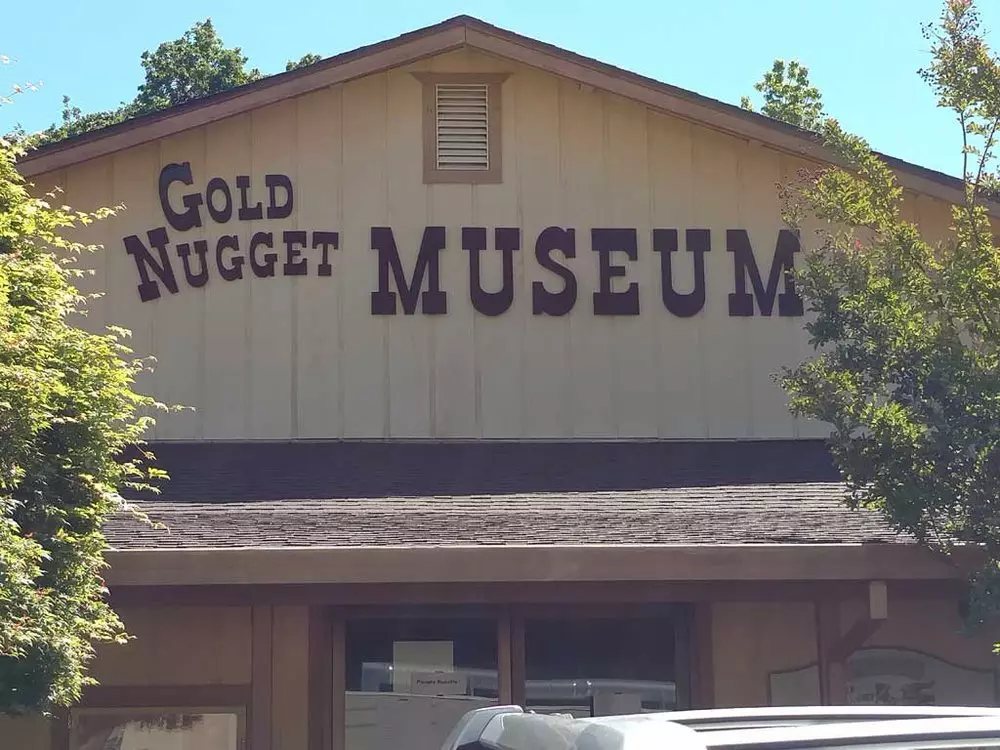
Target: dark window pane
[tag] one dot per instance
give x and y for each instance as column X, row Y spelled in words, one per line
column 409, row 681
column 600, row 666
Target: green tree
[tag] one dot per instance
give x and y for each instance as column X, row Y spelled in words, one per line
column 906, row 330
column 303, row 62
column 789, row 96
column 68, row 418
column 197, row 64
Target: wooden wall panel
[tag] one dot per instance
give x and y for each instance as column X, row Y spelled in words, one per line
column 179, row 646
column 319, row 362
column 304, row 357
column 364, row 360
column 134, row 174
column 546, row 374
column 227, row 397
column 290, row 679
column 180, row 336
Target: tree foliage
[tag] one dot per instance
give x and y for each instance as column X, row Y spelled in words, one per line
column 68, row 412
column 907, row 330
column 303, row 62
column 195, row 65
column 789, row 96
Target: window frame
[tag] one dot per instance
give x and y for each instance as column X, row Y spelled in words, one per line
column 494, row 93
column 239, row 712
column 190, row 699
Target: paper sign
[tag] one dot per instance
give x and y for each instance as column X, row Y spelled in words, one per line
column 419, row 656
column 438, row 683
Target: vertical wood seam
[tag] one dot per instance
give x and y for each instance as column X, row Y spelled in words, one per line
column 261, row 676
column 504, row 660
column 703, row 663
column 338, row 739
column 320, row 716
column 517, row 661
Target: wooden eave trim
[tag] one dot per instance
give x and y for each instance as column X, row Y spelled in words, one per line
column 655, row 95
column 373, row 565
column 469, row 32
column 393, row 54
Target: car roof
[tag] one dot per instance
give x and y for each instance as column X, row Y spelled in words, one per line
column 858, row 733
column 509, row 728
column 722, row 718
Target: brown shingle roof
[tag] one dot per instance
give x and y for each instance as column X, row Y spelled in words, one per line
column 385, row 494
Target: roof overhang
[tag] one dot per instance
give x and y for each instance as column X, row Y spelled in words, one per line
column 527, row 564
column 455, row 33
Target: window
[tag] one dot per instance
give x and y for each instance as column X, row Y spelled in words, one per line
column 160, row 728
column 409, row 681
column 461, row 125
column 600, row 666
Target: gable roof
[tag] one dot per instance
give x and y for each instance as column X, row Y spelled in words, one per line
column 455, row 33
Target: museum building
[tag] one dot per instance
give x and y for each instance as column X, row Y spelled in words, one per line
column 478, row 337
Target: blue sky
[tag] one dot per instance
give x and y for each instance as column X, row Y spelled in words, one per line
column 863, row 54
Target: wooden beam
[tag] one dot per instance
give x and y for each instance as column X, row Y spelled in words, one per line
column 477, row 564
column 517, row 660
column 338, row 638
column 827, row 635
column 504, row 660
column 320, row 679
column 856, row 637
column 702, row 662
column 487, row 595
column 262, row 618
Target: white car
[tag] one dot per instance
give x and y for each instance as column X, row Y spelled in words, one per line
column 801, row 728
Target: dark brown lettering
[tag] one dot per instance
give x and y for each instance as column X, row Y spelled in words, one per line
column 179, row 220
column 234, row 270
column 606, row 300
column 262, row 268
column 295, row 240
column 507, row 241
column 200, row 278
column 219, row 215
column 274, row 210
column 433, row 301
column 699, row 242
column 544, row 302
column 246, row 213
column 782, row 266
column 325, row 241
column 145, row 262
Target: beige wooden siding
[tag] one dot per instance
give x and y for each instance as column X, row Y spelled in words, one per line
column 303, row 357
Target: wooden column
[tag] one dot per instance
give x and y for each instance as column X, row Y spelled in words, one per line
column 504, row 660
column 338, row 635
column 261, row 675
column 702, row 662
column 517, row 664
column 320, row 679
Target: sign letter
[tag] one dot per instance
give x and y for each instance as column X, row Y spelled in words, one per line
column 699, row 242
column 433, row 301
column 184, row 220
column 604, row 242
column 144, row 262
column 740, row 301
column 507, row 241
column 544, row 302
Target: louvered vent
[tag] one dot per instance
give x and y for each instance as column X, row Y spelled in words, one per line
column 463, row 126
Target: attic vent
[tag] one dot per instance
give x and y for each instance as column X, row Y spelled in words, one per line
column 462, row 126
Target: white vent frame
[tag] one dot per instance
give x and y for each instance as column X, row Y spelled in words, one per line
column 462, row 127
column 478, row 123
